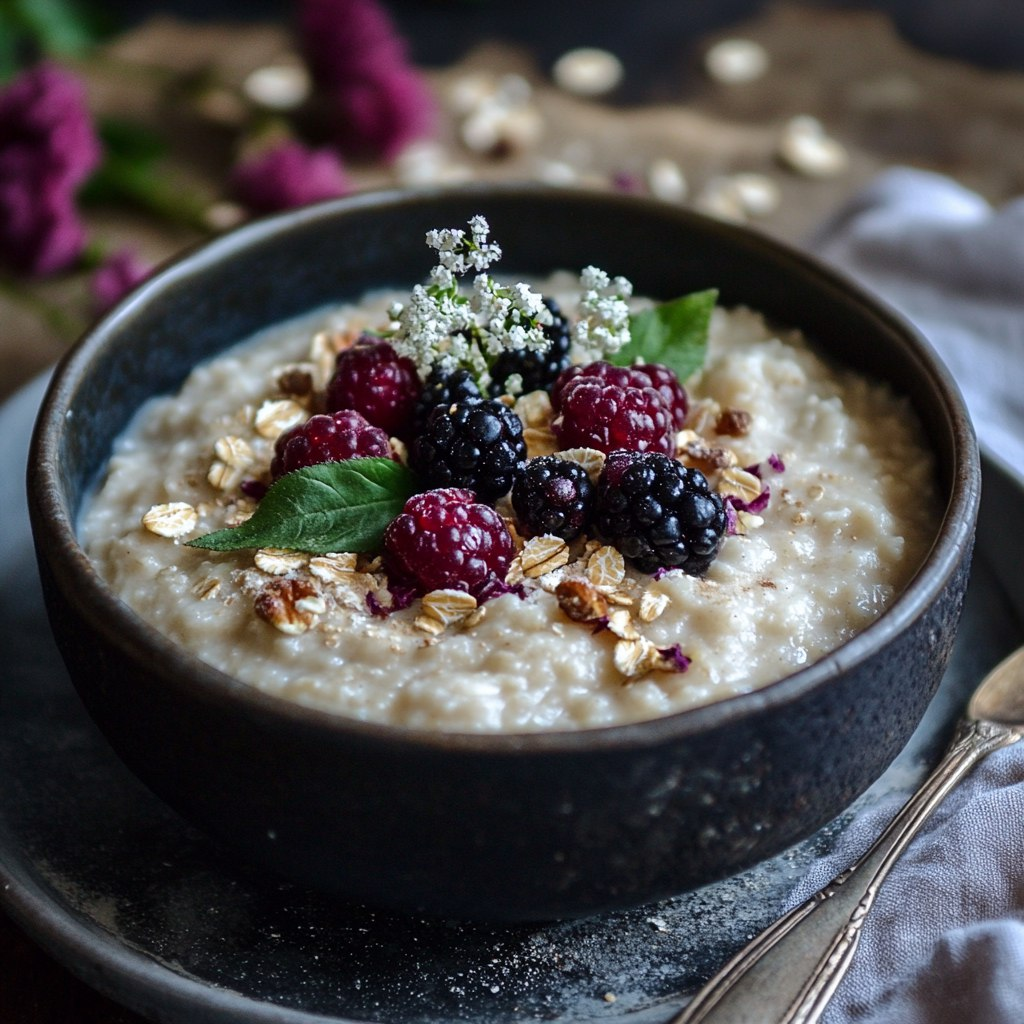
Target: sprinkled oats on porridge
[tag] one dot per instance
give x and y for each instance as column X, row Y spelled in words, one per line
column 621, row 540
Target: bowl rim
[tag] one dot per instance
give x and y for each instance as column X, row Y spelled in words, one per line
column 55, row 536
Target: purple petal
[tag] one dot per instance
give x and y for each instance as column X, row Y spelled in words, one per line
column 48, row 147
column 117, row 276
column 675, row 655
column 776, row 463
column 289, row 175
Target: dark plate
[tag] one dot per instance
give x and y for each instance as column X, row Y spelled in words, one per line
column 150, row 912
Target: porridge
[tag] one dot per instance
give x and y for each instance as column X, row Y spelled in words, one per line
column 744, row 526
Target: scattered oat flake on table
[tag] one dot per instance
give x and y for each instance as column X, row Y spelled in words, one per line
column 806, row 148
column 173, row 519
column 587, row 71
column 736, row 61
column 278, row 86
column 666, row 180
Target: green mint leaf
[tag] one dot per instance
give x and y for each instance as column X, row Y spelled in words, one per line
column 334, row 506
column 674, row 333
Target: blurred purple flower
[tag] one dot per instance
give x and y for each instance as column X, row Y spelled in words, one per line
column 48, row 147
column 378, row 102
column 116, row 277
column 289, row 175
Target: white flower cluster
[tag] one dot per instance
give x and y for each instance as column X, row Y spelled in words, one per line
column 443, row 327
column 603, row 326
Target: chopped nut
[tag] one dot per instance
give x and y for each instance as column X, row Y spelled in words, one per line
column 174, row 519
column 539, row 441
column 224, row 477
column 295, row 379
column 620, row 622
column 708, row 460
column 278, row 561
column 740, row 484
column 336, row 567
column 541, row 555
column 591, row 459
column 733, row 423
column 580, row 601
column 277, row 415
column 290, row 605
column 448, row 606
column 233, row 451
column 606, row 567
column 652, row 604
column 399, row 450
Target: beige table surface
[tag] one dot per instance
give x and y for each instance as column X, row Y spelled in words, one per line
column 887, row 103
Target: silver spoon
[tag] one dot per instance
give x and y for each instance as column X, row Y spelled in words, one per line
column 788, row 973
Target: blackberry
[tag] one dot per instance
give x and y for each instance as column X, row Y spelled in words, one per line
column 539, row 369
column 373, row 379
column 659, row 513
column 596, row 414
column 443, row 388
column 474, row 444
column 552, row 495
column 444, row 539
column 332, row 438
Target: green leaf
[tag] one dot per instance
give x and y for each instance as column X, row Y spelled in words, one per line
column 674, row 333
column 58, row 26
column 334, row 506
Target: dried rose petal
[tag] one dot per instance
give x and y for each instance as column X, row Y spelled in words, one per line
column 49, row 147
column 117, row 276
column 289, row 175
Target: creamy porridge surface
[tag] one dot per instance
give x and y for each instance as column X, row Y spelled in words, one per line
column 849, row 519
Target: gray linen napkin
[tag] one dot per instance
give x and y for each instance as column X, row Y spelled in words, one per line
column 945, row 942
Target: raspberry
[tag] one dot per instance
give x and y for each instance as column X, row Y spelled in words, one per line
column 621, row 376
column 444, row 539
column 372, row 379
column 666, row 383
column 539, row 369
column 444, row 389
column 606, row 416
column 334, row 438
column 474, row 444
column 659, row 513
column 552, row 495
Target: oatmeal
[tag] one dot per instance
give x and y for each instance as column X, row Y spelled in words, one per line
column 583, row 639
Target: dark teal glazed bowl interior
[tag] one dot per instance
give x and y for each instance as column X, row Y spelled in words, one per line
column 524, row 826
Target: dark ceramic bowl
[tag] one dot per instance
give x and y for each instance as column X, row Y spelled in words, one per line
column 504, row 826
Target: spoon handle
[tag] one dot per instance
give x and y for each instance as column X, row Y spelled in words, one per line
column 788, row 973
